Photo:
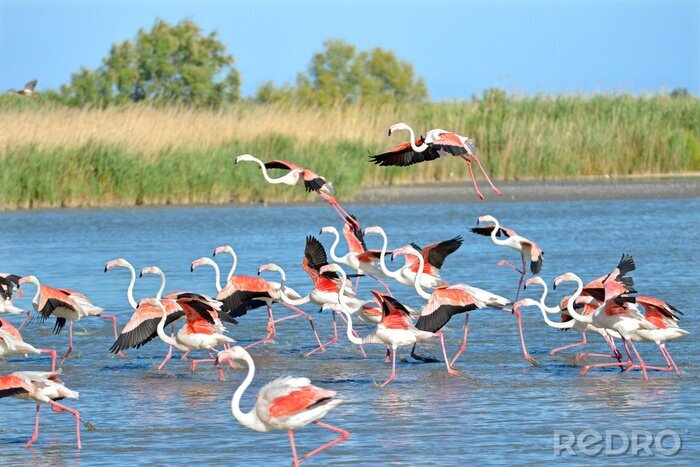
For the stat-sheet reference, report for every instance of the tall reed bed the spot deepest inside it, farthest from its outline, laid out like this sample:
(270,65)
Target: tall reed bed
(54,156)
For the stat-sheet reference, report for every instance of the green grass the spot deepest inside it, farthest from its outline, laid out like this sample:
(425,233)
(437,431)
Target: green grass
(533,138)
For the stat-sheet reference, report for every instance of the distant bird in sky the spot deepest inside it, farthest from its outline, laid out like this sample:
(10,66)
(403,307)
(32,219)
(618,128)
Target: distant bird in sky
(435,144)
(287,403)
(297,175)
(27,90)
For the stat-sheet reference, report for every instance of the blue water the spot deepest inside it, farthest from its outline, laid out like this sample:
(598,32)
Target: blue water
(503,410)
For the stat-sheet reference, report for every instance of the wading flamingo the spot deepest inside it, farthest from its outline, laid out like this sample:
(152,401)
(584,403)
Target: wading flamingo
(9,284)
(199,331)
(122,263)
(287,403)
(433,255)
(65,305)
(614,314)
(395,330)
(435,144)
(27,90)
(298,176)
(11,343)
(42,387)
(527,249)
(448,300)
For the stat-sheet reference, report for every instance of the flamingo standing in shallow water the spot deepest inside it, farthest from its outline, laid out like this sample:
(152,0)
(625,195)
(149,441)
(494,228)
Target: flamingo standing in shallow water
(527,249)
(42,387)
(65,305)
(284,404)
(9,283)
(297,175)
(435,144)
(11,343)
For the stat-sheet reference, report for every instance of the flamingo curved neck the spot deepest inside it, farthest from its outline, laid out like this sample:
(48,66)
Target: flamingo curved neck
(35,300)
(166,338)
(130,290)
(553,324)
(418,276)
(334,256)
(494,232)
(266,176)
(283,292)
(382,263)
(250,419)
(217,276)
(547,309)
(233,267)
(570,304)
(420,148)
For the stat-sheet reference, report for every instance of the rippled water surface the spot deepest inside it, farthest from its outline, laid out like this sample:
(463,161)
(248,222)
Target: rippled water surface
(502,410)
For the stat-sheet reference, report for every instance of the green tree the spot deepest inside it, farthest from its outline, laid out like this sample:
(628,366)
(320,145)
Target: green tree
(341,74)
(166,64)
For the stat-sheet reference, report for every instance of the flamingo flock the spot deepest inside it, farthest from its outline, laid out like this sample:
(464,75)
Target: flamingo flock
(191,322)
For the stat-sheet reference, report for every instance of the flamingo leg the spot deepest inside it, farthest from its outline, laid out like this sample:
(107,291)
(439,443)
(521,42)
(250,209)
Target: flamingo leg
(344,215)
(116,334)
(343,436)
(301,312)
(619,363)
(60,408)
(393,367)
(26,320)
(357,284)
(575,344)
(526,355)
(450,370)
(670,360)
(488,179)
(463,347)
(35,436)
(354,333)
(384,284)
(322,347)
(471,172)
(70,342)
(271,332)
(503,262)
(53,357)
(295,462)
(522,278)
(642,365)
(170,350)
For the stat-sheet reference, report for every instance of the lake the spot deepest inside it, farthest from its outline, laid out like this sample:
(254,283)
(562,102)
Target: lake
(502,409)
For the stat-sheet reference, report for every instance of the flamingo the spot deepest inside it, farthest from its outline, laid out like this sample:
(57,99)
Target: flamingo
(665,318)
(199,332)
(27,90)
(297,175)
(326,286)
(122,263)
(64,305)
(617,281)
(434,257)
(588,305)
(614,314)
(11,343)
(527,249)
(42,387)
(448,300)
(287,403)
(394,330)
(435,144)
(9,283)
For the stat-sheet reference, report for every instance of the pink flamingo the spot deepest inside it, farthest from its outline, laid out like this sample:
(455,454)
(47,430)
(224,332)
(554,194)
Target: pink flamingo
(435,144)
(9,284)
(527,248)
(64,305)
(284,404)
(42,387)
(297,175)
(11,343)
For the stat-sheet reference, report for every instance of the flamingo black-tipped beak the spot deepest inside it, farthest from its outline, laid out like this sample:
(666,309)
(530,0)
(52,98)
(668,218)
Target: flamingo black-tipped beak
(191,268)
(140,273)
(213,254)
(389,132)
(554,286)
(105,268)
(258,272)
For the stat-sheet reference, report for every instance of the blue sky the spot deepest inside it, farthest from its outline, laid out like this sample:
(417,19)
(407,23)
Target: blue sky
(460,48)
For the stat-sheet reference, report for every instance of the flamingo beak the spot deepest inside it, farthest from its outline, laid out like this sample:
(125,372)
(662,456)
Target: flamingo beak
(106,268)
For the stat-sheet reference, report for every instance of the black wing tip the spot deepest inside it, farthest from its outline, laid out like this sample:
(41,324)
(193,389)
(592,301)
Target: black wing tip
(626,264)
(536,266)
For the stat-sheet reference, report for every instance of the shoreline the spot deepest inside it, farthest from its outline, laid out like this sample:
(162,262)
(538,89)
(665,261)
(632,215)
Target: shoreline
(591,189)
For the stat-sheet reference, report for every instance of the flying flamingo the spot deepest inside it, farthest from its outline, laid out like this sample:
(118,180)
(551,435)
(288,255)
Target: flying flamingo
(448,300)
(394,330)
(286,403)
(27,90)
(199,331)
(64,305)
(433,255)
(614,314)
(587,304)
(297,175)
(43,387)
(11,343)
(527,249)
(435,144)
(9,283)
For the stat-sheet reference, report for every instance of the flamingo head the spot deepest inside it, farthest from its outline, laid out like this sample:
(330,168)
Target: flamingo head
(270,267)
(328,229)
(151,270)
(404,250)
(374,230)
(524,302)
(245,158)
(223,249)
(398,127)
(233,353)
(117,263)
(535,280)
(568,277)
(487,218)
(30,279)
(469,145)
(201,262)
(331,268)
